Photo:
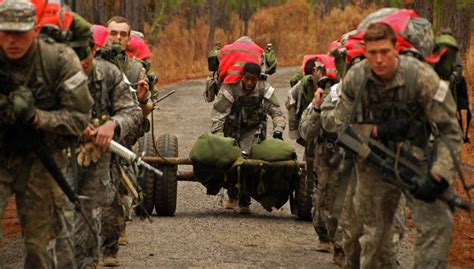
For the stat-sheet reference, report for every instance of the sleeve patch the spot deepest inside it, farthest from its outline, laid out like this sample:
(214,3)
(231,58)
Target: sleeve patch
(442,91)
(76,80)
(269,92)
(334,93)
(228,95)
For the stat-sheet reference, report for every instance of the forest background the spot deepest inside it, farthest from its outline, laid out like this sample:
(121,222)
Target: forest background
(181,32)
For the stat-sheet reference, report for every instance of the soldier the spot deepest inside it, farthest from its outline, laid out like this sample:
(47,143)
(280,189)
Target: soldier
(114,108)
(296,98)
(114,225)
(327,161)
(240,111)
(395,99)
(47,92)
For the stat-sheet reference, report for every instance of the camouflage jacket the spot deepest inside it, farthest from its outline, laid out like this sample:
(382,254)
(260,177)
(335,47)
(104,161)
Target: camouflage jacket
(113,98)
(299,97)
(415,89)
(54,74)
(232,95)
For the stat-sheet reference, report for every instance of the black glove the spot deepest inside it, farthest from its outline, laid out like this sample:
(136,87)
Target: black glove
(429,188)
(23,104)
(278,135)
(393,130)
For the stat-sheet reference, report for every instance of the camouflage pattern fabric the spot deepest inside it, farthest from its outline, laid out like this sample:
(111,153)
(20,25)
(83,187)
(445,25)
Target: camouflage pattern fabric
(62,110)
(228,97)
(375,200)
(17,15)
(113,100)
(324,222)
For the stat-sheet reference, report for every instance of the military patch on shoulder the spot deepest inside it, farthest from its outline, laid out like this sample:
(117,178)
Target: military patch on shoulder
(76,80)
(443,89)
(334,93)
(222,104)
(269,92)
(228,95)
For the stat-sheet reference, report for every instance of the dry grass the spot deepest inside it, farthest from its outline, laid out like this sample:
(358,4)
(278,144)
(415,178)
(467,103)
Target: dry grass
(293,28)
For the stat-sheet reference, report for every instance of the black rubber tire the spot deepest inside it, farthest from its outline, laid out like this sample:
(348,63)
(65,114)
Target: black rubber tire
(166,187)
(147,182)
(303,202)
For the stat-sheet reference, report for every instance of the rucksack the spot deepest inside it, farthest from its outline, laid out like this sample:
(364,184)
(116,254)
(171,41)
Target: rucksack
(271,174)
(213,58)
(269,60)
(446,49)
(233,57)
(415,37)
(213,157)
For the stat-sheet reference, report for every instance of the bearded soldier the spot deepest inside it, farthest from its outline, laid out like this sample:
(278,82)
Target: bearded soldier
(45,90)
(240,111)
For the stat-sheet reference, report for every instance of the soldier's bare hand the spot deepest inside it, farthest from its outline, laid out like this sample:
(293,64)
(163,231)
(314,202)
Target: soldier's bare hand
(89,133)
(142,89)
(318,98)
(105,133)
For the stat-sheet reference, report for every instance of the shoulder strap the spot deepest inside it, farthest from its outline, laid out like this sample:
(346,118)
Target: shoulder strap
(134,71)
(47,56)
(357,106)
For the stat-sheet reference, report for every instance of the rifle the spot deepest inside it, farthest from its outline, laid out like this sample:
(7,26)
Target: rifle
(402,172)
(41,150)
(131,157)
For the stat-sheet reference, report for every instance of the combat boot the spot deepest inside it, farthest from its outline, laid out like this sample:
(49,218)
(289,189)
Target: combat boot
(244,209)
(123,239)
(230,204)
(110,261)
(324,247)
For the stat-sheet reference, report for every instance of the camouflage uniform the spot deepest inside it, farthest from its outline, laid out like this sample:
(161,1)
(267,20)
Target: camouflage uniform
(327,168)
(113,100)
(241,114)
(416,89)
(54,75)
(299,96)
(115,214)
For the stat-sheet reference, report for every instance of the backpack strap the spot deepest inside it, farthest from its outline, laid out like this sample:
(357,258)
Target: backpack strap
(133,74)
(357,106)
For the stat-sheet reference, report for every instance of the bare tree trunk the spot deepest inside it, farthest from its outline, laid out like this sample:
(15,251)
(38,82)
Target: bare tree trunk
(246,16)
(134,11)
(212,23)
(98,11)
(424,8)
(462,29)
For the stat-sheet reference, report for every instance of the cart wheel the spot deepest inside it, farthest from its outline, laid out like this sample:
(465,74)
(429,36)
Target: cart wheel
(166,187)
(147,181)
(302,204)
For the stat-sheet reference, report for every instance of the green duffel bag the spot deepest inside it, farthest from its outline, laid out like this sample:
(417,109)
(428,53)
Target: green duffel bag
(272,150)
(214,151)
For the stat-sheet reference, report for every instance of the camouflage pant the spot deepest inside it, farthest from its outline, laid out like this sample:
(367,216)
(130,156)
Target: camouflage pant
(324,222)
(349,228)
(113,217)
(94,182)
(40,204)
(376,203)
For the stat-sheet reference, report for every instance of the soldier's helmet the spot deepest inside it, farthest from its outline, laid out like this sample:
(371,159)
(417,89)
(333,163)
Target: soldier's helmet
(17,15)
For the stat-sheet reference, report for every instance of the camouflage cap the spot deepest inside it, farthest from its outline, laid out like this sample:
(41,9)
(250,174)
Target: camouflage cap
(17,15)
